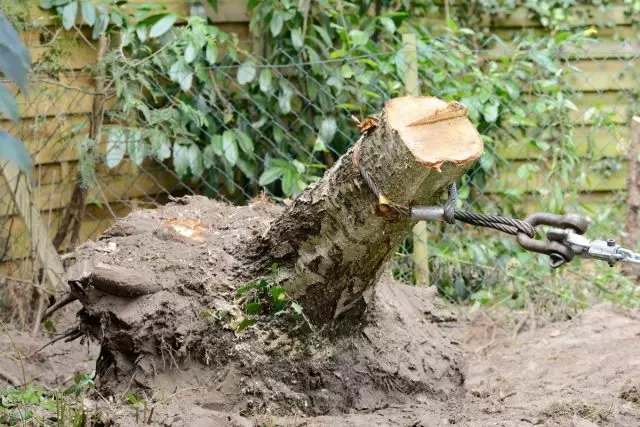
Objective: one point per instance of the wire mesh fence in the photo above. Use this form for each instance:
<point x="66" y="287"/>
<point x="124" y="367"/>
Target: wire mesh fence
<point x="554" y="119"/>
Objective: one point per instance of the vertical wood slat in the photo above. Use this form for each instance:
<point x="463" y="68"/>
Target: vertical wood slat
<point x="21" y="194"/>
<point x="420" y="245"/>
<point x="632" y="221"/>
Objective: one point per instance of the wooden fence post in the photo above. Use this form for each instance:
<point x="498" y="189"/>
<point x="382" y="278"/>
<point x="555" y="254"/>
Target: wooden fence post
<point x="632" y="222"/>
<point x="420" y="246"/>
<point x="21" y="193"/>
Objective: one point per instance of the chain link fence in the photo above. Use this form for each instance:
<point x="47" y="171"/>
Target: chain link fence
<point x="556" y="140"/>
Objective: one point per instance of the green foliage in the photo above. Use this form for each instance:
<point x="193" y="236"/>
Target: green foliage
<point x="15" y="63"/>
<point x="265" y="299"/>
<point x="36" y="405"/>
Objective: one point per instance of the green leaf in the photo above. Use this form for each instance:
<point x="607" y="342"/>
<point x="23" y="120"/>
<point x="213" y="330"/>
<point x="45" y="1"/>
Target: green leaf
<point x="296" y="38"/>
<point x="276" y="23"/>
<point x="12" y="149"/>
<point x="388" y="24"/>
<point x="181" y="159"/>
<point x="142" y="32"/>
<point x="359" y="38"/>
<point x="181" y="73"/>
<point x="208" y="157"/>
<point x="160" y="145"/>
<point x="346" y="71"/>
<point x="245" y="324"/>
<point x="69" y="14"/>
<point x="136" y="147"/>
<point x="216" y="144"/>
<point x="15" y="61"/>
<point x="163" y="25"/>
<point x="265" y="80"/>
<point x="452" y="25"/>
<point x="88" y="12"/>
<point x="246" y="144"/>
<point x="296" y="307"/>
<point x="190" y="53"/>
<point x="328" y="129"/>
<point x="116" y="147"/>
<point x="211" y="52"/>
<point x="230" y="147"/>
<point x="246" y="72"/>
<point x="284" y="100"/>
<point x="102" y="22"/>
<point x="196" y="163"/>
<point x="252" y="307"/>
<point x="270" y="175"/>
<point x="8" y="105"/>
<point x="490" y="112"/>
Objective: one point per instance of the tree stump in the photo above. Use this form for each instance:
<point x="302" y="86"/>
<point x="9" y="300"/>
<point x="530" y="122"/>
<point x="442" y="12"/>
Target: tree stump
<point x="275" y="309"/>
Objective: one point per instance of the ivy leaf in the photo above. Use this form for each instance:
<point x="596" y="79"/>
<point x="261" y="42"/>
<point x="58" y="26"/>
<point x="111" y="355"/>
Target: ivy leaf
<point x="136" y="148"/>
<point x="270" y="175"/>
<point x="69" y="14"/>
<point x="88" y="12"/>
<point x="181" y="159"/>
<point x="246" y="144"/>
<point x="246" y="72"/>
<point x="163" y="25"/>
<point x="276" y="23"/>
<point x="190" y="53"/>
<point x="230" y="147"/>
<point x="265" y="80"/>
<point x="181" y="73"/>
<point x="211" y="52"/>
<point x="116" y="147"/>
<point x="195" y="160"/>
<point x="296" y="38"/>
<point x="12" y="149"/>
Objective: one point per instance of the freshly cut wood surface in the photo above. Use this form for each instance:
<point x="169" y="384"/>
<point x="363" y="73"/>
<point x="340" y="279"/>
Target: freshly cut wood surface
<point x="434" y="131"/>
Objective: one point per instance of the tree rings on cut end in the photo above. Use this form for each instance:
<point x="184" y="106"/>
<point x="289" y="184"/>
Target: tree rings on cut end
<point x="434" y="131"/>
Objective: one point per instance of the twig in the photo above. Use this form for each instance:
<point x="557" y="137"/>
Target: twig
<point x="64" y="86"/>
<point x="71" y="334"/>
<point x="68" y="299"/>
<point x="38" y="318"/>
<point x="84" y="38"/>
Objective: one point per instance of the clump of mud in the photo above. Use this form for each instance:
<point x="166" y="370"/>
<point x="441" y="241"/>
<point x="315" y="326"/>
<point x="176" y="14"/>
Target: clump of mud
<point x="183" y="331"/>
<point x="631" y="392"/>
<point x="573" y="408"/>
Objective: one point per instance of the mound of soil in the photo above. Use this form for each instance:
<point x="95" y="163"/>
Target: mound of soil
<point x="183" y="331"/>
<point x="408" y="361"/>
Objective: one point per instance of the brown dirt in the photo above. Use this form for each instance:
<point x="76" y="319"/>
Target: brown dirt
<point x="408" y="362"/>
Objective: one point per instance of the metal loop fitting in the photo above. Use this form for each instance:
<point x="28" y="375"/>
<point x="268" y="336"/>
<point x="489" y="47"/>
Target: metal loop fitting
<point x="559" y="252"/>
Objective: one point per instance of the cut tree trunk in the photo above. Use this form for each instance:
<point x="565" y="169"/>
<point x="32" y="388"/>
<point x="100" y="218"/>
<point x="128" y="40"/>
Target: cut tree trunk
<point x="333" y="241"/>
<point x="159" y="290"/>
